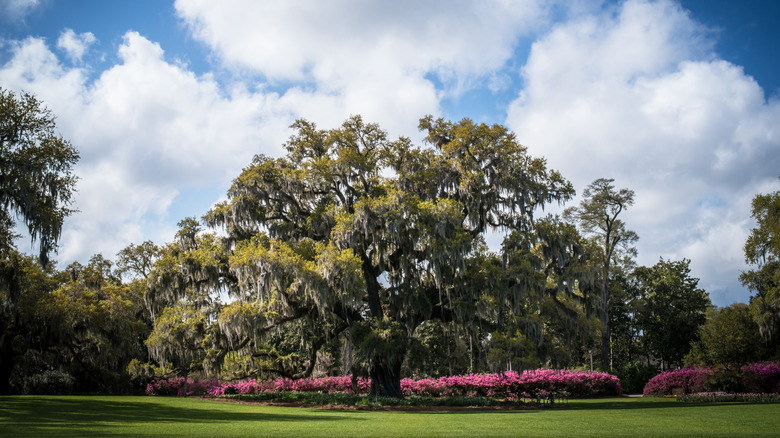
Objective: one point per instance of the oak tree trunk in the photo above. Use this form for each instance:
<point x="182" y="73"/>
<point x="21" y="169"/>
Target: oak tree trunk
<point x="386" y="379"/>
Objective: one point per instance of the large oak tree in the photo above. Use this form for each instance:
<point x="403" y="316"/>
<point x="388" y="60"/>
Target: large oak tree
<point x="351" y="231"/>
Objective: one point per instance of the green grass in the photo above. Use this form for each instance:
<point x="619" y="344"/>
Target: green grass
<point x="155" y="416"/>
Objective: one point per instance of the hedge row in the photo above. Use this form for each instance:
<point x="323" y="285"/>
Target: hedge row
<point x="543" y="382"/>
<point x="756" y="378"/>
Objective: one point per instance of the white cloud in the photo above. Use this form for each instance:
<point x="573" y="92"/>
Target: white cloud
<point x="638" y="96"/>
<point x="75" y="45"/>
<point x="365" y="57"/>
<point x="632" y="91"/>
<point x="146" y="130"/>
<point x="17" y="10"/>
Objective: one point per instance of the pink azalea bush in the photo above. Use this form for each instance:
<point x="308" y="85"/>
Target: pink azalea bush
<point x="510" y="384"/>
<point x="763" y="377"/>
<point x="176" y="386"/>
<point x="691" y="379"/>
<point x="322" y="384"/>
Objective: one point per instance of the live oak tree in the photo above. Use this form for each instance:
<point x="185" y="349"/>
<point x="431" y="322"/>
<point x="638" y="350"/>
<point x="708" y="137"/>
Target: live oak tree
<point x="36" y="178"/>
<point x="598" y="216"/>
<point x="542" y="291"/>
<point x="36" y="186"/>
<point x="351" y="232"/>
<point x="75" y="329"/>
<point x="100" y="326"/>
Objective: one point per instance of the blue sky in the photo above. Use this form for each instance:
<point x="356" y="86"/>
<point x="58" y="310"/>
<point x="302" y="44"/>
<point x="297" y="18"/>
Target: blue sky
<point x="167" y="101"/>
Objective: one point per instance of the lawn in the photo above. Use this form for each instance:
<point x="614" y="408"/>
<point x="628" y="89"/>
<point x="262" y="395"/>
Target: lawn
<point x="154" y="416"/>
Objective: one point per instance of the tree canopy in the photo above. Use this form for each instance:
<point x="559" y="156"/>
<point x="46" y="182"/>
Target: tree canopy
<point x="352" y="231"/>
<point x="672" y="309"/>
<point x="729" y="337"/>
<point x="36" y="178"/>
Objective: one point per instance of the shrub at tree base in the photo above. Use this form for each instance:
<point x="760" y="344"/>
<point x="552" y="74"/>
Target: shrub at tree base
<point x="181" y="387"/>
<point x="761" y="377"/>
<point x="577" y="384"/>
<point x="752" y="378"/>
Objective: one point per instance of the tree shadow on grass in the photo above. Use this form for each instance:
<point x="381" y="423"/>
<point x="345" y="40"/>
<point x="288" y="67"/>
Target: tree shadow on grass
<point x="72" y="415"/>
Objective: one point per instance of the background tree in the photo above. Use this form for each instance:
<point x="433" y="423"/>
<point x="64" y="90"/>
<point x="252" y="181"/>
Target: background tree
<point x="672" y="309"/>
<point x="28" y="325"/>
<point x="36" y="179"/>
<point x="762" y="251"/>
<point x="548" y="285"/>
<point x="625" y="303"/>
<point x="74" y="330"/>
<point x="138" y="261"/>
<point x="729" y="337"/>
<point x="100" y="327"/>
<point x="352" y="231"/>
<point x="598" y="218"/>
<point x="632" y="362"/>
<point x="36" y="185"/>
<point x="437" y="350"/>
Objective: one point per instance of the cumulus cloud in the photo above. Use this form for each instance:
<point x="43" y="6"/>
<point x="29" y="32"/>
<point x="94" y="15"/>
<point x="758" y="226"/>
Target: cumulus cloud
<point x="630" y="90"/>
<point x="75" y="45"/>
<point x="147" y="130"/>
<point x="368" y="57"/>
<point x="638" y="95"/>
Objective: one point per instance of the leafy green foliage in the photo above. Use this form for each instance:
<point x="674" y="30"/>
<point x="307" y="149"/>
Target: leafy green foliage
<point x="762" y="250"/>
<point x="729" y="337"/>
<point x="672" y="309"/>
<point x="36" y="186"/>
<point x="598" y="217"/>
<point x="74" y="330"/>
<point x="353" y="231"/>
<point x="37" y="182"/>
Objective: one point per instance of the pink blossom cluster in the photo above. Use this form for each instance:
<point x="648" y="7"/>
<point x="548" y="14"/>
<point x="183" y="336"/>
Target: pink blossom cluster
<point x="322" y="384"/>
<point x="688" y="380"/>
<point x="508" y="384"/>
<point x="512" y="384"/>
<point x="761" y="377"/>
<point x="177" y="386"/>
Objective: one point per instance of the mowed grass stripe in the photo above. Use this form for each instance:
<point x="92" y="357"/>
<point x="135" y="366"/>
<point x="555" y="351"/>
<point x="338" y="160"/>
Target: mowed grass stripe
<point x="156" y="416"/>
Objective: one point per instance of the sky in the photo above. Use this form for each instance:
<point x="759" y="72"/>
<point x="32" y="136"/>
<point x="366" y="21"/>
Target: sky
<point x="678" y="101"/>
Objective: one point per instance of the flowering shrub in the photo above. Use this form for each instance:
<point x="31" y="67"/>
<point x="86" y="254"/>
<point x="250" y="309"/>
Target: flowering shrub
<point x="510" y="384"/>
<point x="752" y="378"/>
<point x="688" y="380"/>
<point x="176" y="386"/>
<point x="507" y="385"/>
<point x="761" y="377"/>
<point x="322" y="384"/>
